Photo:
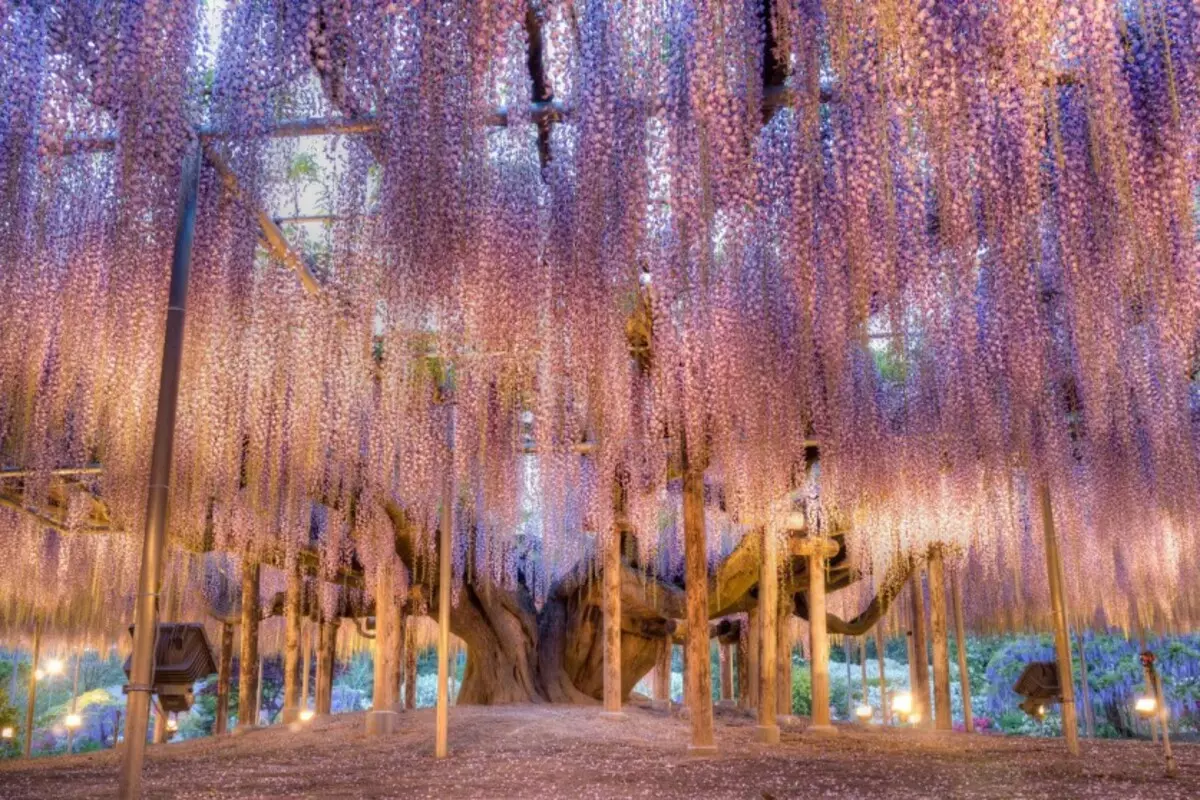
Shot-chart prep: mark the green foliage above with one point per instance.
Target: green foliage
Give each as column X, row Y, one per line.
column 801, row 690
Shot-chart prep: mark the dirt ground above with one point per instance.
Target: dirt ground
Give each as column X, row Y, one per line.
column 565, row 752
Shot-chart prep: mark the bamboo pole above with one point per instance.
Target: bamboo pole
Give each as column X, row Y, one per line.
column 862, row 658
column 291, row 654
column 145, row 631
column 697, row 673
column 445, row 543
column 920, row 651
column 31, row 695
column 611, row 601
column 1062, row 636
column 885, row 707
column 382, row 719
column 818, row 635
column 960, row 636
column 248, row 664
column 938, row 623
column 767, row 730
column 224, row 671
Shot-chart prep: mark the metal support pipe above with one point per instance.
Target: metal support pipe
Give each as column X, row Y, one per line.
column 445, row 542
column 31, row 695
column 1062, row 636
column 145, row 632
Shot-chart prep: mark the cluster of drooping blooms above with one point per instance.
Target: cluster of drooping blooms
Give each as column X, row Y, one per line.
column 958, row 251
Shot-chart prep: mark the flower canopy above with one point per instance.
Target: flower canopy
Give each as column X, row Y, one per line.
column 950, row 246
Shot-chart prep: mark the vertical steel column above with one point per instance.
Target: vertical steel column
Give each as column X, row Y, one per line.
column 145, row 632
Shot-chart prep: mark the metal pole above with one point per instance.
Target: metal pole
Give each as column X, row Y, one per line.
column 31, row 699
column 445, row 541
column 141, row 676
column 1062, row 636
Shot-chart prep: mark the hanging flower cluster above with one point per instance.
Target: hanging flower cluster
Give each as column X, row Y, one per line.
column 955, row 250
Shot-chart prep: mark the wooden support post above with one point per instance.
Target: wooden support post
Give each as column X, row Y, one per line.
column 410, row 663
column 1062, row 636
column 885, row 707
column 291, row 654
column 920, row 664
column 224, row 671
column 1089, row 714
column 306, row 646
column 662, row 675
column 31, row 695
column 382, row 719
column 445, row 542
column 862, row 658
column 939, row 627
column 154, row 534
column 818, row 633
column 725, row 662
column 783, row 662
column 74, row 700
column 396, row 662
column 767, row 731
column 326, row 653
column 742, row 667
column 248, row 659
column 160, row 725
column 611, row 580
column 258, row 692
column 960, row 636
column 697, row 680
column 752, row 657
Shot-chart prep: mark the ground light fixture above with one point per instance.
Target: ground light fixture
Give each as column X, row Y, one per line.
column 73, row 722
column 306, row 715
column 902, row 705
column 39, row 674
column 864, row 713
column 1146, row 706
column 54, row 666
column 7, row 732
column 172, row 725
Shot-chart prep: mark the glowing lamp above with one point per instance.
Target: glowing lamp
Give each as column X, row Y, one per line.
column 306, row 715
column 7, row 732
column 172, row 725
column 73, row 721
column 39, row 674
column 902, row 704
column 54, row 666
column 1146, row 706
column 864, row 712
column 915, row 718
